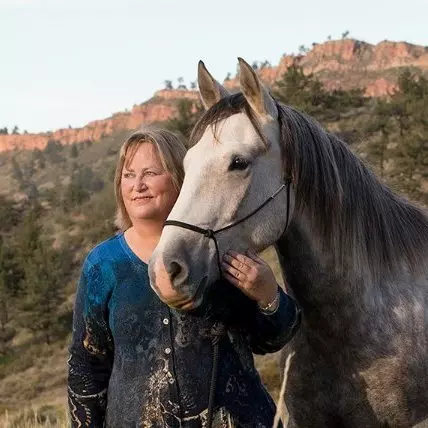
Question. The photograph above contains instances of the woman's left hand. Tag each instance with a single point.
(251, 275)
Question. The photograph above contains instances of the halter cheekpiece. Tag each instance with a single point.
(211, 234)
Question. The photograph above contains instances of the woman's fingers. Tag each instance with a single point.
(251, 274)
(232, 279)
(236, 273)
(238, 261)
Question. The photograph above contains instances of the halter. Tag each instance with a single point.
(211, 234)
(218, 329)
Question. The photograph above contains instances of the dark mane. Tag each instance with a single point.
(366, 228)
(361, 221)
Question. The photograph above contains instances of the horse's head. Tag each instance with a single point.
(234, 166)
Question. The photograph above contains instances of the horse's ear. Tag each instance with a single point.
(211, 91)
(254, 92)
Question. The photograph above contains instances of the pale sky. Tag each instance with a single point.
(70, 62)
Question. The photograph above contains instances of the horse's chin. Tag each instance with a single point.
(190, 302)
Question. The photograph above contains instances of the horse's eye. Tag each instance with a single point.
(238, 164)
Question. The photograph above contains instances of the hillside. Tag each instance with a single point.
(338, 64)
(56, 198)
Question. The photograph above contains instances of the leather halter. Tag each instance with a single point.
(211, 234)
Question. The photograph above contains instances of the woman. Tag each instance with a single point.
(136, 362)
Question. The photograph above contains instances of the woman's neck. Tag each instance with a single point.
(143, 238)
(147, 230)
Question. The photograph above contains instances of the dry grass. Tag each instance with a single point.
(43, 417)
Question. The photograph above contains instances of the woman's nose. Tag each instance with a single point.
(140, 183)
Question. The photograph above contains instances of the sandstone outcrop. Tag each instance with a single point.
(343, 64)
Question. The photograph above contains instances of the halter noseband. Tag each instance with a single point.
(211, 234)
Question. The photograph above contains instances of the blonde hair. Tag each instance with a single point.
(171, 153)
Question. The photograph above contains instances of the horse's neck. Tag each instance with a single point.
(333, 297)
(306, 271)
(315, 282)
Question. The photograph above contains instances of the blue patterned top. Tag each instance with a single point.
(134, 362)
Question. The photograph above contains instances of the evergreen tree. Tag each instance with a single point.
(39, 158)
(306, 93)
(17, 172)
(53, 151)
(381, 123)
(44, 272)
(409, 109)
(43, 292)
(74, 152)
(168, 84)
(188, 113)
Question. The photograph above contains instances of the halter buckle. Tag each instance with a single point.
(209, 233)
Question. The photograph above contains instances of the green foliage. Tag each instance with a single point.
(379, 123)
(17, 172)
(402, 125)
(83, 181)
(4, 131)
(43, 271)
(188, 112)
(43, 291)
(53, 151)
(9, 214)
(168, 84)
(5, 296)
(39, 159)
(306, 93)
(74, 152)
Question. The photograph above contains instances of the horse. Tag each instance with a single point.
(353, 254)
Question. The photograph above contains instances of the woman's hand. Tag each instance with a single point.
(251, 275)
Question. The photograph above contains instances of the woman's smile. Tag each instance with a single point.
(140, 200)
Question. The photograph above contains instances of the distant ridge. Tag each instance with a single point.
(345, 64)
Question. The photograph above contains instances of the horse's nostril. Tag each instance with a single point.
(174, 270)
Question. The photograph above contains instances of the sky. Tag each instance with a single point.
(70, 62)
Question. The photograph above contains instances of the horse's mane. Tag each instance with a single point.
(364, 226)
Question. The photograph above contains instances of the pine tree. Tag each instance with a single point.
(43, 275)
(381, 123)
(74, 151)
(187, 115)
(9, 278)
(43, 292)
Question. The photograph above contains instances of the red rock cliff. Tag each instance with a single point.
(343, 64)
(155, 110)
(351, 64)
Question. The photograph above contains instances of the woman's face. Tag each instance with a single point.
(147, 189)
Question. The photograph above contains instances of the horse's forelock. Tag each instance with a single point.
(226, 107)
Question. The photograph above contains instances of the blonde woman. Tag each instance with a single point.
(136, 362)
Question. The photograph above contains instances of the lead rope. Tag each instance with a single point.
(218, 329)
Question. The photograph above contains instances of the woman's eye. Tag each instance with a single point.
(238, 164)
(128, 174)
(150, 173)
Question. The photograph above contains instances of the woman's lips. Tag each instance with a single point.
(142, 199)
